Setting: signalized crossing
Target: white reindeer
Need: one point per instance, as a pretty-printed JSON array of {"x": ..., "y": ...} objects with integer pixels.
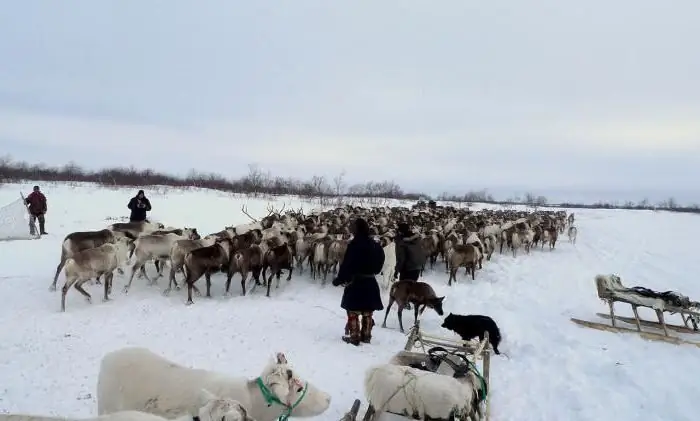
[
  {"x": 213, "y": 409},
  {"x": 389, "y": 266},
  {"x": 573, "y": 232},
  {"x": 136, "y": 379}
]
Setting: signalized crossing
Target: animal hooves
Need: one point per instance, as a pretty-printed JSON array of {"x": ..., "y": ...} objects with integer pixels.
[
  {"x": 125, "y": 290},
  {"x": 189, "y": 303}
]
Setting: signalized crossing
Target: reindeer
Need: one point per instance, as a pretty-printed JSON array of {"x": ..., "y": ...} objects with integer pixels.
[
  {"x": 245, "y": 261},
  {"x": 467, "y": 256},
  {"x": 278, "y": 257},
  {"x": 205, "y": 261},
  {"x": 418, "y": 293},
  {"x": 573, "y": 232}
]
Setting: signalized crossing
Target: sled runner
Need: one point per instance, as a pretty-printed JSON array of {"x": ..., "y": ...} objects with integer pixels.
[
  {"x": 611, "y": 290},
  {"x": 440, "y": 383}
]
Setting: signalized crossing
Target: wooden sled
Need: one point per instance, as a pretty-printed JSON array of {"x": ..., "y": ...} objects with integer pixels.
[
  {"x": 410, "y": 356},
  {"x": 689, "y": 315}
]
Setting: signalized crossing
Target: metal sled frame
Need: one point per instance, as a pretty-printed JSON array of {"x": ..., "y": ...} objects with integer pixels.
[
  {"x": 690, "y": 320},
  {"x": 422, "y": 341}
]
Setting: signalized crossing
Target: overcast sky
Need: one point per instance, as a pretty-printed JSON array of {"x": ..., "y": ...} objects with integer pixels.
[{"x": 542, "y": 95}]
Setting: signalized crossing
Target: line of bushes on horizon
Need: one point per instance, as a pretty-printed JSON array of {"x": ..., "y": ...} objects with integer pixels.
[{"x": 259, "y": 182}]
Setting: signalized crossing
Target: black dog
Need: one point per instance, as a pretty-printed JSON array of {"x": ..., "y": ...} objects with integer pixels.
[{"x": 473, "y": 325}]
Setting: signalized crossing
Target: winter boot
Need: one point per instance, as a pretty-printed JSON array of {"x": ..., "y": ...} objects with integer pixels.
[
  {"x": 42, "y": 230},
  {"x": 353, "y": 329},
  {"x": 366, "y": 328}
]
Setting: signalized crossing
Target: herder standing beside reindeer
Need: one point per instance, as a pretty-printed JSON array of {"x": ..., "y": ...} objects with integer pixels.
[
  {"x": 37, "y": 209},
  {"x": 409, "y": 255},
  {"x": 139, "y": 205},
  {"x": 363, "y": 260}
]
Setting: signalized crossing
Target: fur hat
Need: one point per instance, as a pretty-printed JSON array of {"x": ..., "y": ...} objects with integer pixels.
[
  {"x": 404, "y": 229},
  {"x": 361, "y": 228}
]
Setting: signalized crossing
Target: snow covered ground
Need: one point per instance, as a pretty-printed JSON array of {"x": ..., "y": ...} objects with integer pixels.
[{"x": 556, "y": 371}]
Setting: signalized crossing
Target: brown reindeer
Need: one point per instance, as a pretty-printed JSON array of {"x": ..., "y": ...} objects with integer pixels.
[
  {"x": 82, "y": 240},
  {"x": 205, "y": 261},
  {"x": 245, "y": 261},
  {"x": 464, "y": 255},
  {"x": 278, "y": 257},
  {"x": 420, "y": 294}
]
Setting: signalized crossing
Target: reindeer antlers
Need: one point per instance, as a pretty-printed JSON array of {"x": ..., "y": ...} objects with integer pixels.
[
  {"x": 272, "y": 210},
  {"x": 244, "y": 209}
]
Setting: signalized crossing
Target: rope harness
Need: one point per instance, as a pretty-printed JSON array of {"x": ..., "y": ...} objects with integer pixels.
[{"x": 271, "y": 398}]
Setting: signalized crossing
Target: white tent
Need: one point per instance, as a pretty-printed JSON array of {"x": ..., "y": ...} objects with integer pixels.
[{"x": 14, "y": 221}]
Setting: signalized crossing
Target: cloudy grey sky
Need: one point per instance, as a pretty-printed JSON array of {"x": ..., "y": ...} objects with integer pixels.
[{"x": 542, "y": 95}]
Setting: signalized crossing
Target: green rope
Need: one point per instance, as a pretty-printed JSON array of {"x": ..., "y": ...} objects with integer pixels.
[
  {"x": 271, "y": 398},
  {"x": 484, "y": 387}
]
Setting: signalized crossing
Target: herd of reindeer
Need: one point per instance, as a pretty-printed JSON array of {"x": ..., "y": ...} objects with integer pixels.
[{"x": 289, "y": 240}]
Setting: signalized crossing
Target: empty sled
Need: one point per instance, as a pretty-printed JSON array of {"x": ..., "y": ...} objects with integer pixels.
[{"x": 611, "y": 290}]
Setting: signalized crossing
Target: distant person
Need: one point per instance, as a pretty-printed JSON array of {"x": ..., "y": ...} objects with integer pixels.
[
  {"x": 36, "y": 202},
  {"x": 139, "y": 205}
]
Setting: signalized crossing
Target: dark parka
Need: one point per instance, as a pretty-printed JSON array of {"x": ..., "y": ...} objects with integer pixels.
[
  {"x": 409, "y": 253},
  {"x": 139, "y": 206},
  {"x": 363, "y": 260}
]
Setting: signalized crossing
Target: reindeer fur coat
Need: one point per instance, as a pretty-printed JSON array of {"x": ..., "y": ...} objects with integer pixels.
[{"x": 363, "y": 260}]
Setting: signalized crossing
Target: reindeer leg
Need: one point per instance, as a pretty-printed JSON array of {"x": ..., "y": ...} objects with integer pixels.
[
  {"x": 264, "y": 269},
  {"x": 79, "y": 287},
  {"x": 400, "y": 311},
  {"x": 388, "y": 307},
  {"x": 131, "y": 278},
  {"x": 269, "y": 284},
  {"x": 229, "y": 276},
  {"x": 207, "y": 277},
  {"x": 289, "y": 274},
  {"x": 278, "y": 274},
  {"x": 108, "y": 285},
  {"x": 190, "y": 286},
  {"x": 244, "y": 277}
]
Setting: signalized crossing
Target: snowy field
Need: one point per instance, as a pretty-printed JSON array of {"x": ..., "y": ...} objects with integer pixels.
[{"x": 557, "y": 371}]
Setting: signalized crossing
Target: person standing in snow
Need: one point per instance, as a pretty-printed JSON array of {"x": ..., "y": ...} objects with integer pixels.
[
  {"x": 139, "y": 205},
  {"x": 363, "y": 260},
  {"x": 409, "y": 255},
  {"x": 36, "y": 202}
]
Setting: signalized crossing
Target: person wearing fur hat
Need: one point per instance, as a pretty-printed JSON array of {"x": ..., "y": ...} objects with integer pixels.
[
  {"x": 139, "y": 205},
  {"x": 363, "y": 260}
]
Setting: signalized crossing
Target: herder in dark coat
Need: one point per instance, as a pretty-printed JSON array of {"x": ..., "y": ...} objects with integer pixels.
[
  {"x": 409, "y": 255},
  {"x": 363, "y": 260},
  {"x": 37, "y": 209},
  {"x": 139, "y": 205}
]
